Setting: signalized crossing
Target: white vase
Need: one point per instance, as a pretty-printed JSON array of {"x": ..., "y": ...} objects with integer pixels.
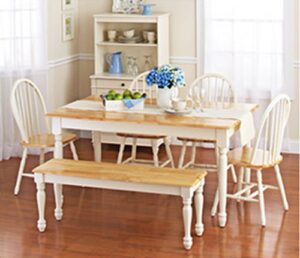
[{"x": 164, "y": 97}]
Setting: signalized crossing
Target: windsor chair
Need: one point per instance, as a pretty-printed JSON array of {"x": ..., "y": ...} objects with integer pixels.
[
  {"x": 264, "y": 154},
  {"x": 29, "y": 110},
  {"x": 208, "y": 90},
  {"x": 139, "y": 85}
]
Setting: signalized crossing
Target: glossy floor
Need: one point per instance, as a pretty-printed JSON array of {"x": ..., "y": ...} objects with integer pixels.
[{"x": 101, "y": 223}]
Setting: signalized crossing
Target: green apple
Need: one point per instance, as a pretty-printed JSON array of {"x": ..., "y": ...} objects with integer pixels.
[
  {"x": 118, "y": 96},
  {"x": 112, "y": 92},
  {"x": 127, "y": 97},
  {"x": 126, "y": 93},
  {"x": 110, "y": 97},
  {"x": 137, "y": 95}
]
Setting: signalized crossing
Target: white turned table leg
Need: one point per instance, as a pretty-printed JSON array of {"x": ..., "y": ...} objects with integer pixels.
[
  {"x": 199, "y": 228},
  {"x": 222, "y": 174},
  {"x": 187, "y": 220},
  {"x": 41, "y": 199},
  {"x": 58, "y": 154},
  {"x": 97, "y": 146},
  {"x": 58, "y": 212}
]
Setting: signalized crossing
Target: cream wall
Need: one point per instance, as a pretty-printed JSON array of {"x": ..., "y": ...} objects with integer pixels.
[{"x": 62, "y": 78}]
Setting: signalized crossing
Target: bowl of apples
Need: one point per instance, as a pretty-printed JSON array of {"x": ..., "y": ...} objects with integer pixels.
[{"x": 114, "y": 101}]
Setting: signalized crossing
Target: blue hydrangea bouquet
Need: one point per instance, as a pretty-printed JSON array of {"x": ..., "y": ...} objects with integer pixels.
[{"x": 166, "y": 76}]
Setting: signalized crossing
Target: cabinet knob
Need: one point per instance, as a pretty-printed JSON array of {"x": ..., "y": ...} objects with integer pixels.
[{"x": 123, "y": 84}]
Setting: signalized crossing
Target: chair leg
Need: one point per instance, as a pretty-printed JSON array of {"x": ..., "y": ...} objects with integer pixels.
[
  {"x": 261, "y": 197},
  {"x": 233, "y": 174},
  {"x": 42, "y": 156},
  {"x": 182, "y": 154},
  {"x": 155, "y": 152},
  {"x": 281, "y": 188},
  {"x": 194, "y": 149},
  {"x": 73, "y": 150},
  {"x": 240, "y": 179},
  {"x": 215, "y": 204},
  {"x": 121, "y": 150},
  {"x": 20, "y": 172},
  {"x": 169, "y": 152},
  {"x": 133, "y": 150}
]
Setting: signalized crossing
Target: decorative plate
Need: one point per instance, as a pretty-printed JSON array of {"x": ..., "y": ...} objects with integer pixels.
[
  {"x": 175, "y": 112},
  {"x": 127, "y": 6}
]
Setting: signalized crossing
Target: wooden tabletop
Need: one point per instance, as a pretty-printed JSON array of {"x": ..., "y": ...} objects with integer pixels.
[{"x": 159, "y": 119}]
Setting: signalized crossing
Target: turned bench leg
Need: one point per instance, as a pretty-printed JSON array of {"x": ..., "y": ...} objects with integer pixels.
[
  {"x": 41, "y": 199},
  {"x": 58, "y": 212},
  {"x": 199, "y": 228}
]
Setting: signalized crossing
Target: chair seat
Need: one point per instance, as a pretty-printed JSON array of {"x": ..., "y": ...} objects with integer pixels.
[
  {"x": 141, "y": 136},
  {"x": 47, "y": 140},
  {"x": 241, "y": 157},
  {"x": 194, "y": 140}
]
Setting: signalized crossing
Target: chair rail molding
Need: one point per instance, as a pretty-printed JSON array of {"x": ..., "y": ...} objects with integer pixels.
[{"x": 90, "y": 57}]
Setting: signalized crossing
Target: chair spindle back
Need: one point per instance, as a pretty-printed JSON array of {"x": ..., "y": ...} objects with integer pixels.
[
  {"x": 271, "y": 132},
  {"x": 139, "y": 84},
  {"x": 28, "y": 109},
  {"x": 212, "y": 88}
]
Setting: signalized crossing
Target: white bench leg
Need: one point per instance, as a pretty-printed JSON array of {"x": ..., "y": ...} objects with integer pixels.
[
  {"x": 187, "y": 221},
  {"x": 58, "y": 212},
  {"x": 41, "y": 199},
  {"x": 199, "y": 228}
]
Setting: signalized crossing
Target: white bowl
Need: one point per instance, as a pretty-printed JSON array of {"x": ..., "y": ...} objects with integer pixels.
[{"x": 128, "y": 33}]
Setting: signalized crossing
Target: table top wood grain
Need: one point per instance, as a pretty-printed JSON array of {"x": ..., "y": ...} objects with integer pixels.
[
  {"x": 122, "y": 173},
  {"x": 159, "y": 119}
]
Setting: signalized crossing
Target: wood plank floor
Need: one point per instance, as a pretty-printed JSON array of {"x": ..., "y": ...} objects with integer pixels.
[{"x": 102, "y": 223}]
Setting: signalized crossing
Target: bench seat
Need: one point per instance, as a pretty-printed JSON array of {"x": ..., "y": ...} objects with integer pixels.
[{"x": 138, "y": 178}]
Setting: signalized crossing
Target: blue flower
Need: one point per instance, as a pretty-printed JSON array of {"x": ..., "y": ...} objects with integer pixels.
[{"x": 166, "y": 76}]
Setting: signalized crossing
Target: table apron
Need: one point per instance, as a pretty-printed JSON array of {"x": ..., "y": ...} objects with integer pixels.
[{"x": 149, "y": 129}]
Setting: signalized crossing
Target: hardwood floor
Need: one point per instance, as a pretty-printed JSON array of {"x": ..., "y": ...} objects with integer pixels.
[{"x": 102, "y": 223}]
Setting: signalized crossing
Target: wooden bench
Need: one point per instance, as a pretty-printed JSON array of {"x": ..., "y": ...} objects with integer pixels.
[{"x": 112, "y": 176}]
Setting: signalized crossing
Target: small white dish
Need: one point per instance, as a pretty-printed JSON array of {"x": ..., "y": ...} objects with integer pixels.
[{"x": 181, "y": 112}]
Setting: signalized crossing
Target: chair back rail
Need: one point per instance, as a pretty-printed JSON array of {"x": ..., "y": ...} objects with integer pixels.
[
  {"x": 271, "y": 132},
  {"x": 212, "y": 88},
  {"x": 28, "y": 107},
  {"x": 139, "y": 84}
]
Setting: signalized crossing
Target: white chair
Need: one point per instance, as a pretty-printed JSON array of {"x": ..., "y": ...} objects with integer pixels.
[
  {"x": 264, "y": 154},
  {"x": 139, "y": 85},
  {"x": 209, "y": 90},
  {"x": 29, "y": 110}
]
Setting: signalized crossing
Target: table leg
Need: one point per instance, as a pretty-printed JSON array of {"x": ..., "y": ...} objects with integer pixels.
[
  {"x": 58, "y": 212},
  {"x": 41, "y": 199},
  {"x": 199, "y": 228},
  {"x": 187, "y": 221},
  {"x": 97, "y": 146},
  {"x": 222, "y": 174},
  {"x": 58, "y": 154}
]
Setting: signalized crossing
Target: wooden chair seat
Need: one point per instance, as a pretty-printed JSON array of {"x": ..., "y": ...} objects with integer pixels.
[
  {"x": 47, "y": 140},
  {"x": 194, "y": 140},
  {"x": 241, "y": 157},
  {"x": 140, "y": 136}
]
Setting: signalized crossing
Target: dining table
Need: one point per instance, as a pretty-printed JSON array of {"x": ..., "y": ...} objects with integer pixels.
[{"x": 216, "y": 123}]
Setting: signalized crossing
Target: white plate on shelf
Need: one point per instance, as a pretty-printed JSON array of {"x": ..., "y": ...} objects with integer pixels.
[
  {"x": 135, "y": 39},
  {"x": 175, "y": 112}
]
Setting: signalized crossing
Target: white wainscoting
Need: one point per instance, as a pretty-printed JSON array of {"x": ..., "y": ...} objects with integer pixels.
[{"x": 90, "y": 57}]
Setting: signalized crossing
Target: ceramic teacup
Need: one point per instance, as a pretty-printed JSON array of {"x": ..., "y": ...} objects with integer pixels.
[
  {"x": 111, "y": 34},
  {"x": 128, "y": 33},
  {"x": 151, "y": 37},
  {"x": 179, "y": 104}
]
